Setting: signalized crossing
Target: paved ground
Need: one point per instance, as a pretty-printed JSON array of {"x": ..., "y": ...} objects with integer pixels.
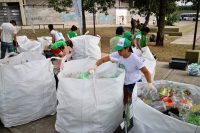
[
  {"x": 46, "y": 125},
  {"x": 188, "y": 36}
]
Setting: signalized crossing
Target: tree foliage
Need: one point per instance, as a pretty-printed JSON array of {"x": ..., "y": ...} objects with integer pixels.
[
  {"x": 66, "y": 5},
  {"x": 145, "y": 7},
  {"x": 87, "y": 5},
  {"x": 172, "y": 18}
]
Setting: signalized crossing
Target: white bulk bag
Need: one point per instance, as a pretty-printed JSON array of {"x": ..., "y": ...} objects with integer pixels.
[
  {"x": 26, "y": 45},
  {"x": 27, "y": 88},
  {"x": 149, "y": 61},
  {"x": 22, "y": 39},
  {"x": 149, "y": 120},
  {"x": 86, "y": 46},
  {"x": 45, "y": 41},
  {"x": 93, "y": 105}
]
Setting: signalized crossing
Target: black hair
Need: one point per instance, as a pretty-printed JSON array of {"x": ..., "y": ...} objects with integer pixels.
[
  {"x": 13, "y": 22},
  {"x": 69, "y": 43},
  {"x": 119, "y": 30},
  {"x": 74, "y": 28},
  {"x": 145, "y": 29},
  {"x": 50, "y": 26}
]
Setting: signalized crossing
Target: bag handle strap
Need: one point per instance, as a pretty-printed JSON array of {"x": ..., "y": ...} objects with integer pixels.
[{"x": 10, "y": 54}]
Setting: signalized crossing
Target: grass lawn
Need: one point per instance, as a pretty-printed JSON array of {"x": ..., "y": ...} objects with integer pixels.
[{"x": 164, "y": 53}]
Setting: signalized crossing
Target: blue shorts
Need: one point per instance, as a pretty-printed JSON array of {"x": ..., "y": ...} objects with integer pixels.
[{"x": 131, "y": 86}]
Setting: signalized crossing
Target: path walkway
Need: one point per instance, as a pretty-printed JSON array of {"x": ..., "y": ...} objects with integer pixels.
[{"x": 187, "y": 38}]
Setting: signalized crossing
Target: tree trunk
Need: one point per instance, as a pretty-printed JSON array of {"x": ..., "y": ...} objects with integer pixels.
[
  {"x": 83, "y": 18},
  {"x": 161, "y": 23},
  {"x": 157, "y": 19},
  {"x": 147, "y": 19},
  {"x": 148, "y": 13}
]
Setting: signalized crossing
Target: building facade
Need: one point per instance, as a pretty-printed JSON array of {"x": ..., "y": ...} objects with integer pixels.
[
  {"x": 33, "y": 12},
  {"x": 12, "y": 9}
]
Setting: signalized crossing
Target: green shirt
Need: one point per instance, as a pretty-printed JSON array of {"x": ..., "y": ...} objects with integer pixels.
[
  {"x": 142, "y": 38},
  {"x": 71, "y": 34},
  {"x": 58, "y": 44}
]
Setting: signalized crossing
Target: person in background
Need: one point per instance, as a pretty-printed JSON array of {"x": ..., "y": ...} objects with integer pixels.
[
  {"x": 61, "y": 48},
  {"x": 128, "y": 35},
  {"x": 138, "y": 24},
  {"x": 56, "y": 36},
  {"x": 115, "y": 39},
  {"x": 72, "y": 33},
  {"x": 8, "y": 38},
  {"x": 133, "y": 25},
  {"x": 132, "y": 65},
  {"x": 140, "y": 38}
]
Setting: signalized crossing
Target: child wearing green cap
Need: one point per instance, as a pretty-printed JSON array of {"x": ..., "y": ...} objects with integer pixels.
[
  {"x": 132, "y": 64},
  {"x": 115, "y": 39}
]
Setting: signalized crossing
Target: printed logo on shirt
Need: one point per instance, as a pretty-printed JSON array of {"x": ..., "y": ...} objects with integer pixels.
[{"x": 122, "y": 66}]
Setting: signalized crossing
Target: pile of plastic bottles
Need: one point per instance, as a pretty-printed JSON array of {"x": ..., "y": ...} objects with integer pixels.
[
  {"x": 194, "y": 69},
  {"x": 177, "y": 103}
]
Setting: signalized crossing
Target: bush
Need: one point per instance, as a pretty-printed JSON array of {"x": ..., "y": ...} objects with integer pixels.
[{"x": 172, "y": 18}]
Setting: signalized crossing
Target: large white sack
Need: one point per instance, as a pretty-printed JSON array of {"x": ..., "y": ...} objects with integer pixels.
[
  {"x": 88, "y": 105},
  {"x": 86, "y": 46},
  {"x": 27, "y": 88},
  {"x": 45, "y": 41},
  {"x": 22, "y": 39},
  {"x": 149, "y": 120},
  {"x": 149, "y": 61},
  {"x": 26, "y": 45},
  {"x": 0, "y": 49}
]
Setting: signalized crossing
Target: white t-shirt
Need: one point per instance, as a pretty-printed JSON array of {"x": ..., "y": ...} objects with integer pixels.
[
  {"x": 58, "y": 35},
  {"x": 8, "y": 30},
  {"x": 132, "y": 66}
]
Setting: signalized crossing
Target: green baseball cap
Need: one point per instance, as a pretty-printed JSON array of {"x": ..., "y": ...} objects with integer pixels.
[
  {"x": 128, "y": 35},
  {"x": 122, "y": 43}
]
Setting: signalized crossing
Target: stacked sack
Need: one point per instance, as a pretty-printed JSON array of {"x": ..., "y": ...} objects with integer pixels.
[{"x": 27, "y": 88}]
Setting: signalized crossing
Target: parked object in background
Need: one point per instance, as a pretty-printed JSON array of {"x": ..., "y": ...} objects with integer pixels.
[{"x": 177, "y": 63}]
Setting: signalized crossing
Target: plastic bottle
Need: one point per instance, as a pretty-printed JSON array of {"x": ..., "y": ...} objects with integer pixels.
[{"x": 159, "y": 105}]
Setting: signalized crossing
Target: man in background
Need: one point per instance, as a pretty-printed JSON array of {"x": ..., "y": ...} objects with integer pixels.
[{"x": 8, "y": 39}]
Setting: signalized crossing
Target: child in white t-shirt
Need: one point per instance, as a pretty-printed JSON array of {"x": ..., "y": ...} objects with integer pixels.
[
  {"x": 132, "y": 65},
  {"x": 56, "y": 36}
]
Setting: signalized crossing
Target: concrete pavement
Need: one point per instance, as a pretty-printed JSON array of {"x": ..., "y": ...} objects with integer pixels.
[{"x": 188, "y": 36}]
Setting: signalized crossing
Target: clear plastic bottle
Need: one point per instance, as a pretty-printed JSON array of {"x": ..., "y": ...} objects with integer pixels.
[{"x": 159, "y": 105}]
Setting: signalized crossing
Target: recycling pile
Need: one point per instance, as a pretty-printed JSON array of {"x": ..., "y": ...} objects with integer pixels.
[
  {"x": 194, "y": 69},
  {"x": 175, "y": 101}
]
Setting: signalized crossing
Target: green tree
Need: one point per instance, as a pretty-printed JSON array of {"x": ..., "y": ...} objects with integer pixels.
[
  {"x": 160, "y": 8},
  {"x": 87, "y": 5},
  {"x": 172, "y": 18}
]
